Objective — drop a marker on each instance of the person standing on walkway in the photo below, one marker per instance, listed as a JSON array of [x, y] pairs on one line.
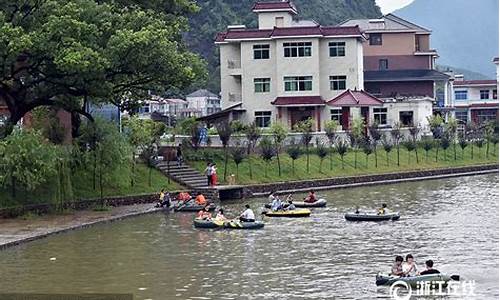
[[208, 172], [214, 175], [178, 154]]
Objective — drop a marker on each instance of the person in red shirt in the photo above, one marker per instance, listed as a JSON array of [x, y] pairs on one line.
[[311, 198], [204, 214]]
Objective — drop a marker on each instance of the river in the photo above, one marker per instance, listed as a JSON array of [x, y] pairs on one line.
[[161, 256]]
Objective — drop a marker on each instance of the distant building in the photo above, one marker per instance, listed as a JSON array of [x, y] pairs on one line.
[[165, 110], [399, 66], [106, 111], [203, 102], [475, 100]]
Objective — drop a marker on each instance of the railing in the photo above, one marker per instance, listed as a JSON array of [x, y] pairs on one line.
[[233, 64], [234, 97]]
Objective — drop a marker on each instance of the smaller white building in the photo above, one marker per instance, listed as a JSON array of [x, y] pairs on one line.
[[203, 102], [475, 100], [163, 109]]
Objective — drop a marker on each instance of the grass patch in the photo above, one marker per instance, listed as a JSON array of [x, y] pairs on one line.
[[83, 188], [324, 169]]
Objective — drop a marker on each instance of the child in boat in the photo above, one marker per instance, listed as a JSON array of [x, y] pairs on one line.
[[397, 268], [220, 215], [200, 199], [409, 266], [311, 198], [276, 203], [290, 205], [382, 210], [204, 214], [429, 268]]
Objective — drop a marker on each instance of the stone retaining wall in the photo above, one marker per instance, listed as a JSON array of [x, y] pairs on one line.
[[260, 189]]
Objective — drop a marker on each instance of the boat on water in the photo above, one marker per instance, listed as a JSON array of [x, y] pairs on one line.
[[295, 213], [371, 217], [301, 204], [232, 224], [413, 281], [192, 207]]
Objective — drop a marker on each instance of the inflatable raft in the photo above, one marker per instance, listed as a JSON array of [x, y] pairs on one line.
[[301, 204], [412, 281], [372, 217], [198, 223], [296, 213], [192, 207]]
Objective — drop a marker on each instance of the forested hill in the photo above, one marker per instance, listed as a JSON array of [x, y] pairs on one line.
[[215, 15]]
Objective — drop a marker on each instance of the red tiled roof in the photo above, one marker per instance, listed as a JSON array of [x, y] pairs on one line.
[[288, 31], [298, 100], [355, 98], [474, 82], [274, 5]]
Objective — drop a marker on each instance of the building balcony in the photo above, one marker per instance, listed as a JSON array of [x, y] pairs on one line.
[[432, 52], [234, 67]]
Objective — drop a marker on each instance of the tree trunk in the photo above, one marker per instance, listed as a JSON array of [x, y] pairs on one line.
[[455, 150], [409, 157], [293, 167], [237, 172], [398, 153], [416, 154], [279, 164], [225, 162], [76, 121], [331, 159], [13, 186], [355, 158], [250, 169], [367, 161], [150, 173], [342, 157], [487, 148], [133, 170], [376, 157], [307, 149], [387, 157], [95, 170], [472, 151]]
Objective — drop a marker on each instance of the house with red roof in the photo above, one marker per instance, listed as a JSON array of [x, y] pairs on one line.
[[288, 70]]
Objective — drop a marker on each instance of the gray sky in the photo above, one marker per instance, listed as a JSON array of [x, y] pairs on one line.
[[388, 6]]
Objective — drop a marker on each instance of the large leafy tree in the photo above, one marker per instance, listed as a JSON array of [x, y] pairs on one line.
[[67, 52]]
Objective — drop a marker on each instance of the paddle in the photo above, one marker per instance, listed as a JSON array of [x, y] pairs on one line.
[[455, 277], [179, 207]]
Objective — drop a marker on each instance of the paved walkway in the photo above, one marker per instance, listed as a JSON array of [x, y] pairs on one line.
[[16, 231]]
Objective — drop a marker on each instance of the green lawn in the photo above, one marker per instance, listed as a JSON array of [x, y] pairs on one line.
[[82, 182], [318, 169]]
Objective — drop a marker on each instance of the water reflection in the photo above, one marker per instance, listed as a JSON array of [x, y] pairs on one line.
[[452, 221]]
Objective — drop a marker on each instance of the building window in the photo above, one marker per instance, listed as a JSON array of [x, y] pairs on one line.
[[406, 118], [298, 83], [375, 39], [262, 85], [297, 49], [279, 21], [486, 115], [261, 51], [144, 109], [380, 116], [263, 118], [461, 116], [484, 94], [383, 64], [336, 115], [338, 83], [495, 94], [460, 95], [337, 49]]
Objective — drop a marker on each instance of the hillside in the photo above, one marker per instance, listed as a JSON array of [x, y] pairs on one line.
[[464, 32], [216, 15], [468, 74]]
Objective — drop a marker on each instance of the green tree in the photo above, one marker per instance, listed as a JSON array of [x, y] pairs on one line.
[[410, 146], [387, 144], [293, 150], [322, 152], [396, 136], [306, 128], [489, 134], [342, 147], [239, 154], [267, 151], [462, 141], [427, 144], [279, 133], [225, 132], [451, 128], [436, 125], [376, 135], [367, 145], [414, 133], [331, 128], [356, 134], [67, 53], [445, 144], [253, 134], [27, 160]]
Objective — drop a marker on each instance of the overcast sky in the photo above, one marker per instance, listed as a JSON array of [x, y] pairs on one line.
[[388, 6]]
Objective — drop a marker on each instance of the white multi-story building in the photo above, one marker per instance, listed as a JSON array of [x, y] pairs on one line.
[[287, 70], [203, 102], [475, 100]]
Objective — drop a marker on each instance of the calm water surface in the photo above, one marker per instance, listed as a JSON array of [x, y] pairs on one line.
[[161, 256]]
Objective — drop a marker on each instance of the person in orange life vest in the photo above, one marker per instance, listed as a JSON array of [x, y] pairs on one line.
[[200, 199]]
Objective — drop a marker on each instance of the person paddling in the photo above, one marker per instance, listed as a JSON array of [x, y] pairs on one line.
[[247, 215], [220, 215], [311, 198], [383, 209], [429, 268]]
